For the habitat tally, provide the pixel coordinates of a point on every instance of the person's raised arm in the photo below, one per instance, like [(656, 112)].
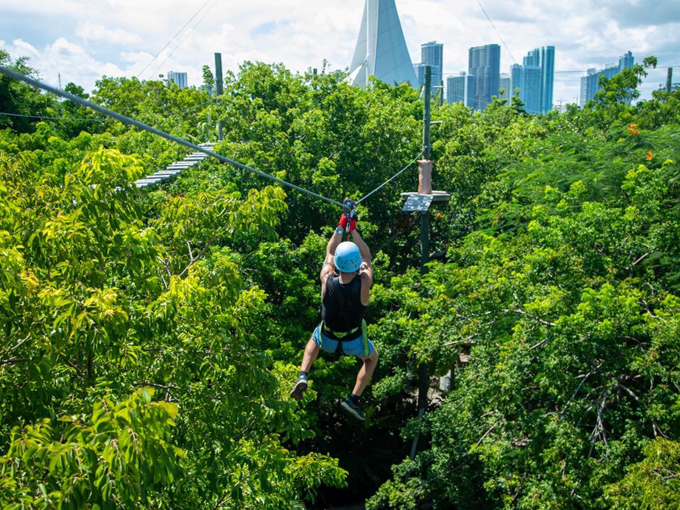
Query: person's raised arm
[(329, 262), (363, 247), (366, 270)]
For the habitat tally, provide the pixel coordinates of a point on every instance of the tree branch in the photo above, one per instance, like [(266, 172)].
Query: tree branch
[(193, 259), (649, 312), (485, 434), (639, 260), (537, 319), (155, 385), (18, 344), (627, 390), (594, 370), (14, 361)]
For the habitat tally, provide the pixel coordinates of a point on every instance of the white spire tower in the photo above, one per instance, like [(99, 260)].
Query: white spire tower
[(381, 48)]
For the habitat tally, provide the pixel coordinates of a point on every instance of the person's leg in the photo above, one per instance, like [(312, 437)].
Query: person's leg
[(308, 358), (310, 355), (365, 373)]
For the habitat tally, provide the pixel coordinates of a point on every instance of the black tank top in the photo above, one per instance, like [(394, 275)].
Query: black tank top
[(341, 308)]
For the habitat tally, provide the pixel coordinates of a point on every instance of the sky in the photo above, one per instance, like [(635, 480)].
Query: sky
[(83, 40)]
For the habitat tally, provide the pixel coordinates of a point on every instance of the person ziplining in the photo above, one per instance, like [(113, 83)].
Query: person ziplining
[(345, 293), (346, 279)]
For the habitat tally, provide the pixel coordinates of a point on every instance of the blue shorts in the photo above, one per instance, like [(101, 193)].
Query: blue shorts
[(349, 348)]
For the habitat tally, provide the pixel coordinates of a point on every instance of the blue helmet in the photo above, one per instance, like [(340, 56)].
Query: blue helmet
[(347, 257)]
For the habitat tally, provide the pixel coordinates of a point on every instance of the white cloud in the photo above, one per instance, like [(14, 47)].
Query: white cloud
[(63, 58), (92, 32), (302, 33)]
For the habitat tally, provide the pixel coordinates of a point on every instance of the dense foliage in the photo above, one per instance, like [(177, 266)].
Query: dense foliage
[(150, 337)]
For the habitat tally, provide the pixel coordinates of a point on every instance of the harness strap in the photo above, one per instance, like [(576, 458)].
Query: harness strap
[(364, 336), (339, 334)]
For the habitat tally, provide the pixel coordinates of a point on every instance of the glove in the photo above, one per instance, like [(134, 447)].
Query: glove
[(343, 222), (348, 206)]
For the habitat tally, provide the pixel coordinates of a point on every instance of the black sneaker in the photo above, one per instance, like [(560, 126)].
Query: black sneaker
[(299, 388), (354, 409)]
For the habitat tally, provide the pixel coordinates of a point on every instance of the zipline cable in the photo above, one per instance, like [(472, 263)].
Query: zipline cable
[(173, 38), (497, 32), (187, 34), (391, 178), (127, 120)]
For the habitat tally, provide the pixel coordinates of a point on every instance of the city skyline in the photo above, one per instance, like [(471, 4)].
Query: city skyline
[(84, 41), (590, 82)]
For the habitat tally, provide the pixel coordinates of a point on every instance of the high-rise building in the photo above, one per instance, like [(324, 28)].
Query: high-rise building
[(179, 78), (505, 84), (533, 58), (534, 79), (485, 65), (530, 89), (432, 54), (381, 49), (515, 79), (590, 82), (626, 61), (459, 89), (547, 78)]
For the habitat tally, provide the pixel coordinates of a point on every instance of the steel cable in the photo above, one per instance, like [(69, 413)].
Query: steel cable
[(127, 120)]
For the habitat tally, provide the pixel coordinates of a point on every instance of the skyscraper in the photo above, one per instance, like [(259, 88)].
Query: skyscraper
[(626, 61), (460, 88), (381, 49), (590, 82), (547, 78), (179, 78), (432, 54), (485, 65), (535, 79), (530, 89)]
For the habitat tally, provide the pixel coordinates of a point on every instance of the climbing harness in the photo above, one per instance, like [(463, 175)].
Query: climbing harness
[(127, 120)]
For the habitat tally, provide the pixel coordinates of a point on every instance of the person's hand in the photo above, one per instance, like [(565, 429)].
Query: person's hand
[(343, 221), (352, 223), (348, 206)]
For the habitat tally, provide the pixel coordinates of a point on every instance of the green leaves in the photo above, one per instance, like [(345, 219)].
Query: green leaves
[(108, 460)]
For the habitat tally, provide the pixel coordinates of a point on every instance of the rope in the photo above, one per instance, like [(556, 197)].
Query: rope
[(127, 120), (391, 178)]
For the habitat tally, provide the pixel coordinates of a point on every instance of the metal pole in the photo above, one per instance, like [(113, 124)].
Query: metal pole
[(219, 88), (669, 80), (426, 112), (427, 154), (423, 376)]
